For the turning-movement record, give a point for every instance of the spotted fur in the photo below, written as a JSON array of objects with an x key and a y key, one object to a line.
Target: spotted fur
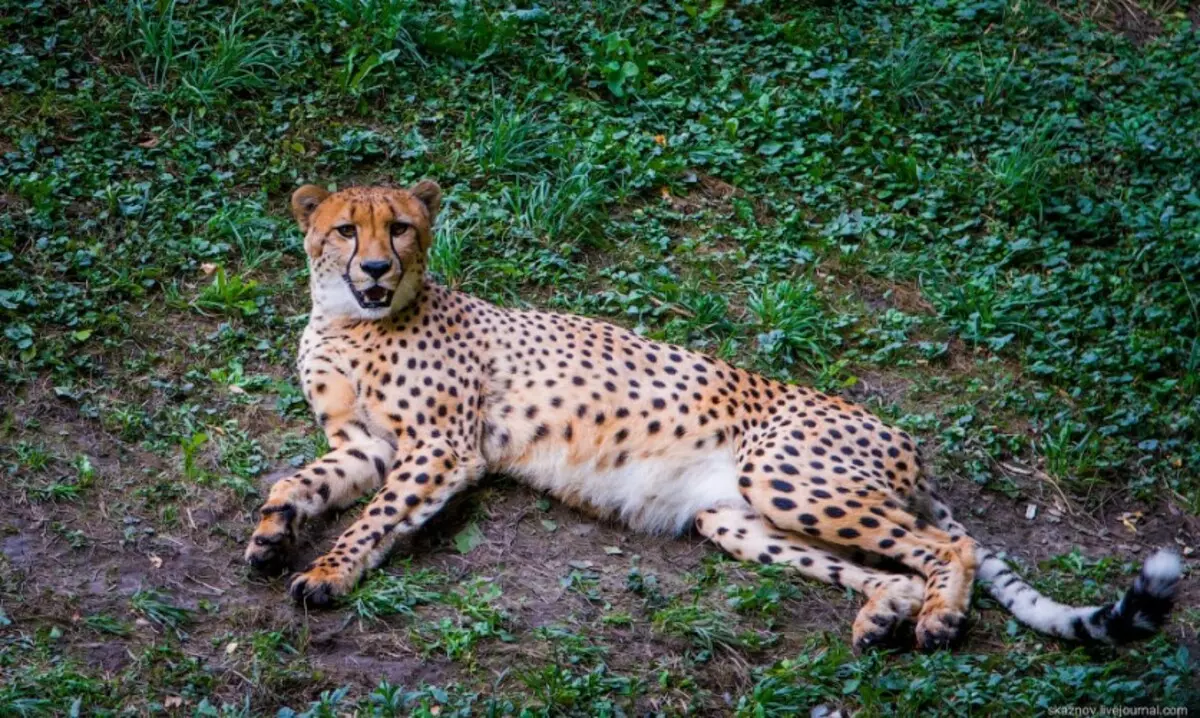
[{"x": 422, "y": 390}]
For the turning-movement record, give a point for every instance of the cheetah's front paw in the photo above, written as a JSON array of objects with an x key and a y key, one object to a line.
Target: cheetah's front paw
[
  {"x": 320, "y": 585},
  {"x": 274, "y": 538}
]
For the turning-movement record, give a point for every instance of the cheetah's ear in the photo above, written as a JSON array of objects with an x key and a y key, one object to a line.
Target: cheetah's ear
[
  {"x": 305, "y": 201},
  {"x": 430, "y": 194}
]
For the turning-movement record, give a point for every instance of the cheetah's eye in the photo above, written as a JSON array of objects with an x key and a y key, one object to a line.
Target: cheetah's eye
[
  {"x": 346, "y": 230},
  {"x": 399, "y": 228}
]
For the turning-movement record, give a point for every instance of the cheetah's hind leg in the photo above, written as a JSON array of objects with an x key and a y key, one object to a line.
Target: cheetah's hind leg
[{"x": 893, "y": 599}]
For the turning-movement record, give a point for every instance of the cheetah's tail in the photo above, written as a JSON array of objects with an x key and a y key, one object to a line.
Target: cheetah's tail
[{"x": 1138, "y": 615}]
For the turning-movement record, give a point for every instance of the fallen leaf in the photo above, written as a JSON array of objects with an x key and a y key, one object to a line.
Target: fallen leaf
[
  {"x": 469, "y": 538},
  {"x": 666, "y": 193},
  {"x": 661, "y": 140},
  {"x": 234, "y": 389},
  {"x": 1130, "y": 519},
  {"x": 172, "y": 701},
  {"x": 229, "y": 649},
  {"x": 1013, "y": 468},
  {"x": 208, "y": 268},
  {"x": 150, "y": 143}
]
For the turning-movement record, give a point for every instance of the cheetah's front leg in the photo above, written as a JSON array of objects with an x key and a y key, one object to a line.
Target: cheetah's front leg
[
  {"x": 356, "y": 466},
  {"x": 418, "y": 486}
]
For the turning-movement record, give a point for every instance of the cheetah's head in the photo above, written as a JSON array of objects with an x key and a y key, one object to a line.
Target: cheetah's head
[{"x": 366, "y": 246}]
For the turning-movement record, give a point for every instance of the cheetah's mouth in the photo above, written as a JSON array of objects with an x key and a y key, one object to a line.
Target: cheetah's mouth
[{"x": 374, "y": 297}]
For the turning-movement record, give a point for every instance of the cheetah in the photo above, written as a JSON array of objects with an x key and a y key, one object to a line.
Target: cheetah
[{"x": 421, "y": 391}]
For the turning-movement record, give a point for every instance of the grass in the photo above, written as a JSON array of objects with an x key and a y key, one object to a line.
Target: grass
[
  {"x": 156, "y": 607},
  {"x": 794, "y": 326},
  {"x": 386, "y": 594},
  {"x": 979, "y": 219}
]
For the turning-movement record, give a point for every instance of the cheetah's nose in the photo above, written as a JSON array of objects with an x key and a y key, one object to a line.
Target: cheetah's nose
[{"x": 376, "y": 268}]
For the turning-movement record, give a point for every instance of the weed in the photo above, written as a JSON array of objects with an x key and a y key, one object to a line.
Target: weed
[
  {"x": 508, "y": 140},
  {"x": 911, "y": 73},
  {"x": 562, "y": 208},
  {"x": 1023, "y": 175},
  {"x": 446, "y": 259},
  {"x": 707, "y": 629},
  {"x": 475, "y": 619},
  {"x": 107, "y": 624},
  {"x": 388, "y": 594},
  {"x": 793, "y": 325},
  {"x": 229, "y": 295},
  {"x": 231, "y": 62},
  {"x": 157, "y": 607},
  {"x": 156, "y": 36},
  {"x": 191, "y": 452},
  {"x": 763, "y": 597},
  {"x": 595, "y": 692}
]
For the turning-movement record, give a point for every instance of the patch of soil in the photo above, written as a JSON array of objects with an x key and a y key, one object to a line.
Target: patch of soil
[
  {"x": 880, "y": 387},
  {"x": 10, "y": 203},
  {"x": 705, "y": 192},
  {"x": 370, "y": 658},
  {"x": 529, "y": 551},
  {"x": 1134, "y": 19},
  {"x": 1000, "y": 523},
  {"x": 1135, "y": 23}
]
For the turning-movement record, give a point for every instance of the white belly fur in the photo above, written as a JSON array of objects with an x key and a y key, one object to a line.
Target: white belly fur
[{"x": 659, "y": 495}]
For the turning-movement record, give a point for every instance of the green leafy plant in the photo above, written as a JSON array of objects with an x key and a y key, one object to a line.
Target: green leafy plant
[
  {"x": 158, "y": 608},
  {"x": 229, "y": 295}
]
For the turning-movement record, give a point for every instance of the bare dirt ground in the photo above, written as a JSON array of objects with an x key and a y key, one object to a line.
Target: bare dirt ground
[{"x": 526, "y": 551}]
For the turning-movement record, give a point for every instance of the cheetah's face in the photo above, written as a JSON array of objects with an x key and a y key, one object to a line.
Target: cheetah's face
[{"x": 366, "y": 246}]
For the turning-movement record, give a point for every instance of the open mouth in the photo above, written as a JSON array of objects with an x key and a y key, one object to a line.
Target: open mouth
[{"x": 373, "y": 297}]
